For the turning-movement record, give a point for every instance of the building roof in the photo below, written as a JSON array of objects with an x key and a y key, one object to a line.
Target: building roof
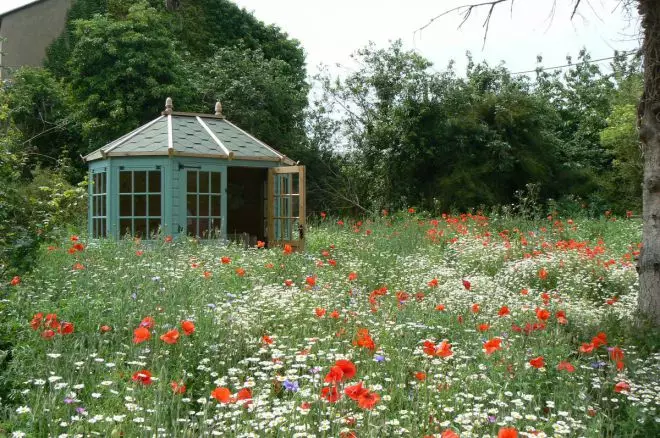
[
  {"x": 16, "y": 5},
  {"x": 190, "y": 135}
]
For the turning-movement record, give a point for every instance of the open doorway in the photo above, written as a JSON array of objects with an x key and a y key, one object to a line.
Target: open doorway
[{"x": 246, "y": 203}]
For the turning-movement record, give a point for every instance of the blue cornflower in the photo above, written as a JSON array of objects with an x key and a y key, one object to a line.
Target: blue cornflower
[{"x": 291, "y": 385}]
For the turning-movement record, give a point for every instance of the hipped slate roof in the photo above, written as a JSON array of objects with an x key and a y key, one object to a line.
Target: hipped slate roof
[{"x": 190, "y": 135}]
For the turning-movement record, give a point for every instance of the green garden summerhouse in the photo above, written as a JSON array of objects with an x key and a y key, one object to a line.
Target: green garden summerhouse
[{"x": 198, "y": 175}]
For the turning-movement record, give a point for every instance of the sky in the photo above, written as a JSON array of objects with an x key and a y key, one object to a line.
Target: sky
[{"x": 330, "y": 31}]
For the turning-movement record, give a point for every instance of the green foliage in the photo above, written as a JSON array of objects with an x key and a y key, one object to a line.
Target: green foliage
[
  {"x": 41, "y": 108},
  {"x": 119, "y": 70}
]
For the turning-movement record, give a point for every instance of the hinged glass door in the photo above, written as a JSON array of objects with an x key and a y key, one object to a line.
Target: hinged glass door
[{"x": 286, "y": 206}]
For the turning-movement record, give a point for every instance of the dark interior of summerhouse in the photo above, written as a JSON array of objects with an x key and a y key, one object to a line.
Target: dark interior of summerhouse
[{"x": 246, "y": 203}]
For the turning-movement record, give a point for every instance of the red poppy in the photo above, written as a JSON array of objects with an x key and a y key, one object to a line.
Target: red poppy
[
  {"x": 223, "y": 395},
  {"x": 352, "y": 276},
  {"x": 599, "y": 339},
  {"x": 139, "y": 253},
  {"x": 433, "y": 283},
  {"x": 66, "y": 328},
  {"x": 543, "y": 274},
  {"x": 225, "y": 260},
  {"x": 475, "y": 308},
  {"x": 564, "y": 365},
  {"x": 420, "y": 375},
  {"x": 368, "y": 400},
  {"x": 542, "y": 314},
  {"x": 348, "y": 434},
  {"x": 178, "y": 387},
  {"x": 74, "y": 238},
  {"x": 492, "y": 345},
  {"x": 288, "y": 283},
  {"x": 507, "y": 432},
  {"x": 616, "y": 354},
  {"x": 208, "y": 274},
  {"x": 168, "y": 239},
  {"x": 440, "y": 307},
  {"x": 148, "y": 322},
  {"x": 364, "y": 340},
  {"x": 261, "y": 244},
  {"x": 320, "y": 311},
  {"x": 47, "y": 334},
  {"x": 288, "y": 249},
  {"x": 586, "y": 348},
  {"x": 355, "y": 391},
  {"x": 561, "y": 317},
  {"x": 504, "y": 311},
  {"x": 524, "y": 292},
  {"x": 267, "y": 339},
  {"x": 37, "y": 319},
  {"x": 105, "y": 328},
  {"x": 622, "y": 387},
  {"x": 335, "y": 375},
  {"x": 240, "y": 272},
  {"x": 347, "y": 367},
  {"x": 537, "y": 362},
  {"x": 140, "y": 335},
  {"x": 243, "y": 394},
  {"x": 79, "y": 247},
  {"x": 15, "y": 281},
  {"x": 170, "y": 337},
  {"x": 78, "y": 267},
  {"x": 411, "y": 210},
  {"x": 334, "y": 314},
  {"x": 448, "y": 433},
  {"x": 188, "y": 327},
  {"x": 330, "y": 393},
  {"x": 142, "y": 376},
  {"x": 483, "y": 327},
  {"x": 311, "y": 281},
  {"x": 467, "y": 285},
  {"x": 323, "y": 215}
]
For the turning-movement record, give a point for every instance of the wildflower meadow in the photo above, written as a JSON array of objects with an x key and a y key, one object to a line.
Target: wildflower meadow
[{"x": 402, "y": 325}]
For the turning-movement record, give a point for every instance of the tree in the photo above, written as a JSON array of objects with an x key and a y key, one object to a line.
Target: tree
[
  {"x": 438, "y": 141},
  {"x": 119, "y": 71},
  {"x": 648, "y": 121}
]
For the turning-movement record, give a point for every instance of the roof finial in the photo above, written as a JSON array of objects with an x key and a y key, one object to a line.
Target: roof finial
[
  {"x": 168, "y": 106},
  {"x": 218, "y": 110}
]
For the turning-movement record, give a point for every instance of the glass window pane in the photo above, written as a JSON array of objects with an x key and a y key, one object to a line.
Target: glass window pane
[
  {"x": 125, "y": 205},
  {"x": 125, "y": 227},
  {"x": 154, "y": 225},
  {"x": 203, "y": 205},
  {"x": 125, "y": 184},
  {"x": 96, "y": 181},
  {"x": 295, "y": 178},
  {"x": 203, "y": 227},
  {"x": 192, "y": 227},
  {"x": 285, "y": 183},
  {"x": 154, "y": 205},
  {"x": 191, "y": 181},
  {"x": 103, "y": 232},
  {"x": 286, "y": 232},
  {"x": 140, "y": 182},
  {"x": 191, "y": 205},
  {"x": 154, "y": 181},
  {"x": 276, "y": 184},
  {"x": 140, "y": 205},
  {"x": 140, "y": 228},
  {"x": 103, "y": 182},
  {"x": 103, "y": 198},
  {"x": 203, "y": 182},
  {"x": 215, "y": 205},
  {"x": 215, "y": 182},
  {"x": 216, "y": 224},
  {"x": 277, "y": 229},
  {"x": 285, "y": 206}
]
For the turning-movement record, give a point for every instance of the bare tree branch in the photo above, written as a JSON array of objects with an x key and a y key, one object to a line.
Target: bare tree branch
[
  {"x": 467, "y": 8},
  {"x": 577, "y": 3},
  {"x": 467, "y": 11}
]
